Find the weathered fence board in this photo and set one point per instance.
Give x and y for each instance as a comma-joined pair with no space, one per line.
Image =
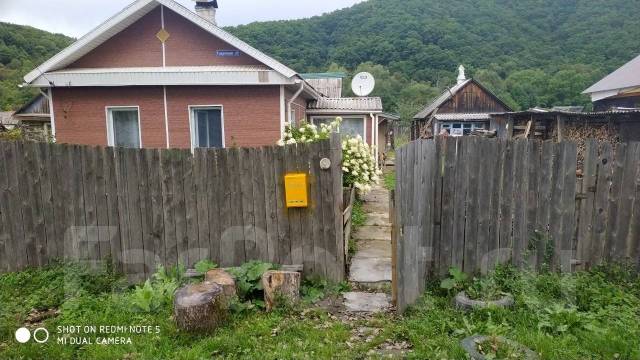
141,208
481,202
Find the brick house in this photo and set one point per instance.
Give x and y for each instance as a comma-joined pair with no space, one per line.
158,75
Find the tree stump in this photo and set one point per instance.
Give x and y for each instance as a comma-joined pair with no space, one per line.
199,307
280,285
226,281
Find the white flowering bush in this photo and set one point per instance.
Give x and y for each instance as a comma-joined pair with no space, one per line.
358,163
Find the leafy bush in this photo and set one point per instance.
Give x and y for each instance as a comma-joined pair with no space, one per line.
157,292
248,279
205,265
456,280
315,289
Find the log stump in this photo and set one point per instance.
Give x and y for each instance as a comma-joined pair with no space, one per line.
280,286
199,307
226,281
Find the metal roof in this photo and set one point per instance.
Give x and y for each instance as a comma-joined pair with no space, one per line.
363,104
329,87
130,15
177,75
448,94
326,75
463,117
625,77
538,111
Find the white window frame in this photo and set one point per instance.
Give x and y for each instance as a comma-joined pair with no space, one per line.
192,123
474,126
111,141
332,118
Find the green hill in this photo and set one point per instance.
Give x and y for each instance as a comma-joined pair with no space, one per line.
530,52
22,48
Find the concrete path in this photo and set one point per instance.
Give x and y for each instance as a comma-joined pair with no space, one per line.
371,264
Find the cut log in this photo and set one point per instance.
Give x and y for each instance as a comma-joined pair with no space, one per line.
225,280
280,286
199,307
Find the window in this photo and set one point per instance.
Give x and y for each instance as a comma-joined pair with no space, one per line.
207,130
123,127
350,126
460,129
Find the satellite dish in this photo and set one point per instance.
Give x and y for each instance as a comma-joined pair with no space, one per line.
363,84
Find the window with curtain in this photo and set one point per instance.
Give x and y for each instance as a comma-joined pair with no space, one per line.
350,126
207,126
125,127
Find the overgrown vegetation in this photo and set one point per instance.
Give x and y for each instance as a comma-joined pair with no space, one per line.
530,53
390,180
592,315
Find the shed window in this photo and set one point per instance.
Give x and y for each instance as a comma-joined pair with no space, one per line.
460,129
207,127
124,127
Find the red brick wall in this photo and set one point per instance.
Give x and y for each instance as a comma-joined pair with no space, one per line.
251,113
189,45
135,46
138,46
299,105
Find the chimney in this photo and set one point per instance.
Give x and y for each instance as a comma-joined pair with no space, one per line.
207,9
461,77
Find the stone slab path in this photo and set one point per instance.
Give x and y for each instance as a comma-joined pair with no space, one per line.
371,264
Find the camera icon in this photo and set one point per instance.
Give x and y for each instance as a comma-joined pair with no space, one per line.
40,335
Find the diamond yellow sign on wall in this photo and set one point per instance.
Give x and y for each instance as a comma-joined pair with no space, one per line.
162,35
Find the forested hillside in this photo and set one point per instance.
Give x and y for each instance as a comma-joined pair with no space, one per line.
22,48
530,52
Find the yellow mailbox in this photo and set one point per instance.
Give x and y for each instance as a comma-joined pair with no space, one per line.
295,189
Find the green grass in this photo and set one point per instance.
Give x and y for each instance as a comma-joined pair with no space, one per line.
582,316
390,181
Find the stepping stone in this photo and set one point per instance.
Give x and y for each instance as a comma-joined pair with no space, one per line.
366,302
377,219
375,207
373,233
370,270
373,249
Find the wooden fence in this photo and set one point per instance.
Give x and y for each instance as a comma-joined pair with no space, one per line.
473,202
146,207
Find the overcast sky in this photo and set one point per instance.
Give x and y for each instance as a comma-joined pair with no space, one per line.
77,17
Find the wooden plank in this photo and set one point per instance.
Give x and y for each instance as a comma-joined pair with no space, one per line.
493,246
613,253
408,266
260,217
448,192
157,236
81,234
315,196
11,160
633,240
200,176
568,206
486,149
533,190
338,204
506,203
136,270
601,210
25,166
284,240
465,151
89,185
394,244
191,212
295,244
123,208
43,161
414,246
7,239
102,209
308,215
237,207
146,208
589,180
35,202
555,220
58,198
543,215
182,237
398,237
625,204
111,185
248,213
70,191
227,236
520,202
215,200
470,262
